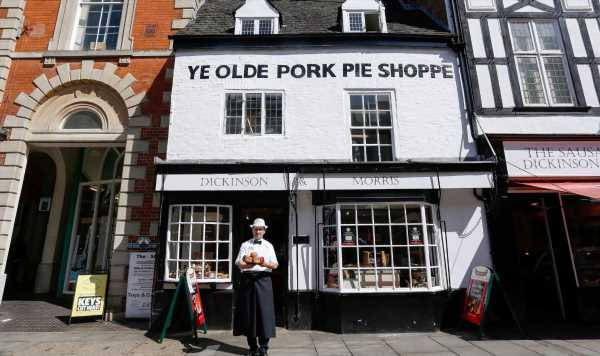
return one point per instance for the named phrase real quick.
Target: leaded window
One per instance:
(254, 113)
(380, 247)
(257, 26)
(199, 237)
(371, 127)
(98, 25)
(541, 64)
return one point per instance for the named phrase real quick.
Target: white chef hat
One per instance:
(259, 222)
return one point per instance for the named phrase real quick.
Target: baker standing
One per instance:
(255, 310)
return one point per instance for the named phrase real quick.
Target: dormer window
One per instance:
(256, 17)
(257, 26)
(364, 16)
(364, 22)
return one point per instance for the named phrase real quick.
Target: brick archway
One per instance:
(14, 151)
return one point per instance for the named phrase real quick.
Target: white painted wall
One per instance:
(508, 101)
(429, 120)
(306, 267)
(496, 38)
(476, 34)
(594, 33)
(576, 39)
(587, 84)
(540, 125)
(468, 244)
(485, 86)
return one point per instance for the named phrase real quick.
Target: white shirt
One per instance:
(264, 249)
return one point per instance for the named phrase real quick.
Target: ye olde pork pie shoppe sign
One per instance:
(322, 70)
(552, 159)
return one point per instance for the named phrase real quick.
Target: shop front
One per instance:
(546, 229)
(358, 251)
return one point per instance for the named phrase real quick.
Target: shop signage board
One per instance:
(552, 159)
(478, 294)
(139, 285)
(359, 181)
(90, 296)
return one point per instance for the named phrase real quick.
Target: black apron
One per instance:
(254, 308)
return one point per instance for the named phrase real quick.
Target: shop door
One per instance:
(31, 222)
(535, 234)
(277, 235)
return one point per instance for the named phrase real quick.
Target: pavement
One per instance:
(40, 328)
(289, 343)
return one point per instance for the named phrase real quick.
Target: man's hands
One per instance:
(252, 259)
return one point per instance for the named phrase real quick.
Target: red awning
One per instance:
(586, 189)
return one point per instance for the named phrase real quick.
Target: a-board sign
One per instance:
(139, 285)
(478, 292)
(90, 295)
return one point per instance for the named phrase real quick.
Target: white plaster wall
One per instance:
(485, 86)
(496, 38)
(306, 253)
(476, 34)
(468, 244)
(540, 125)
(576, 39)
(587, 84)
(594, 32)
(429, 121)
(506, 94)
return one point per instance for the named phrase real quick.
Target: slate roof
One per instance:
(305, 17)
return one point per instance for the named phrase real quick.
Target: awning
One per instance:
(586, 189)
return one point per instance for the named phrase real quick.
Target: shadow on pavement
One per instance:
(211, 344)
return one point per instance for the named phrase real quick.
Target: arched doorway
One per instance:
(30, 226)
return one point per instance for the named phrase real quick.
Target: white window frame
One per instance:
(426, 246)
(363, 20)
(348, 113)
(263, 113)
(91, 2)
(256, 30)
(217, 242)
(538, 53)
(566, 7)
(475, 8)
(68, 18)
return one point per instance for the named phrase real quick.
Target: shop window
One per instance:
(371, 127)
(481, 5)
(380, 247)
(541, 64)
(254, 114)
(199, 236)
(577, 5)
(83, 120)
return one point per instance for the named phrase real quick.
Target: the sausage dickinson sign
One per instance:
(90, 295)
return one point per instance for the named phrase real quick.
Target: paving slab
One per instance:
(469, 351)
(371, 349)
(572, 348)
(588, 344)
(504, 348)
(415, 344)
(540, 348)
(332, 348)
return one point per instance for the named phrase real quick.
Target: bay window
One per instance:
(541, 64)
(199, 236)
(380, 247)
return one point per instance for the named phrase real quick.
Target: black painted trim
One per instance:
(541, 111)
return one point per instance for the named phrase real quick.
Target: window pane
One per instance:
(433, 256)
(348, 215)
(531, 81)
(357, 137)
(358, 154)
(211, 213)
(184, 251)
(357, 118)
(223, 270)
(98, 26)
(383, 102)
(349, 257)
(397, 214)
(197, 251)
(355, 22)
(385, 278)
(349, 236)
(371, 118)
(399, 235)
(331, 278)
(223, 251)
(172, 250)
(385, 118)
(417, 256)
(559, 88)
(198, 214)
(400, 256)
(265, 27)
(197, 232)
(413, 214)
(350, 279)
(367, 278)
(233, 115)
(174, 232)
(419, 278)
(435, 277)
(185, 232)
(356, 102)
(364, 214)
(210, 232)
(223, 232)
(175, 211)
(83, 120)
(386, 153)
(382, 235)
(372, 154)
(248, 27)
(547, 36)
(521, 34)
(253, 114)
(384, 257)
(415, 235)
(223, 214)
(401, 278)
(330, 257)
(365, 235)
(273, 114)
(366, 256)
(329, 236)
(370, 102)
(381, 215)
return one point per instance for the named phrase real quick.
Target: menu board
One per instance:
(139, 285)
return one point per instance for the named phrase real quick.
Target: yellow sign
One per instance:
(90, 295)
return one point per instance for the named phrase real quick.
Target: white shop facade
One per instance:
(359, 160)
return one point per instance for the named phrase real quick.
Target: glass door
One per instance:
(92, 231)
